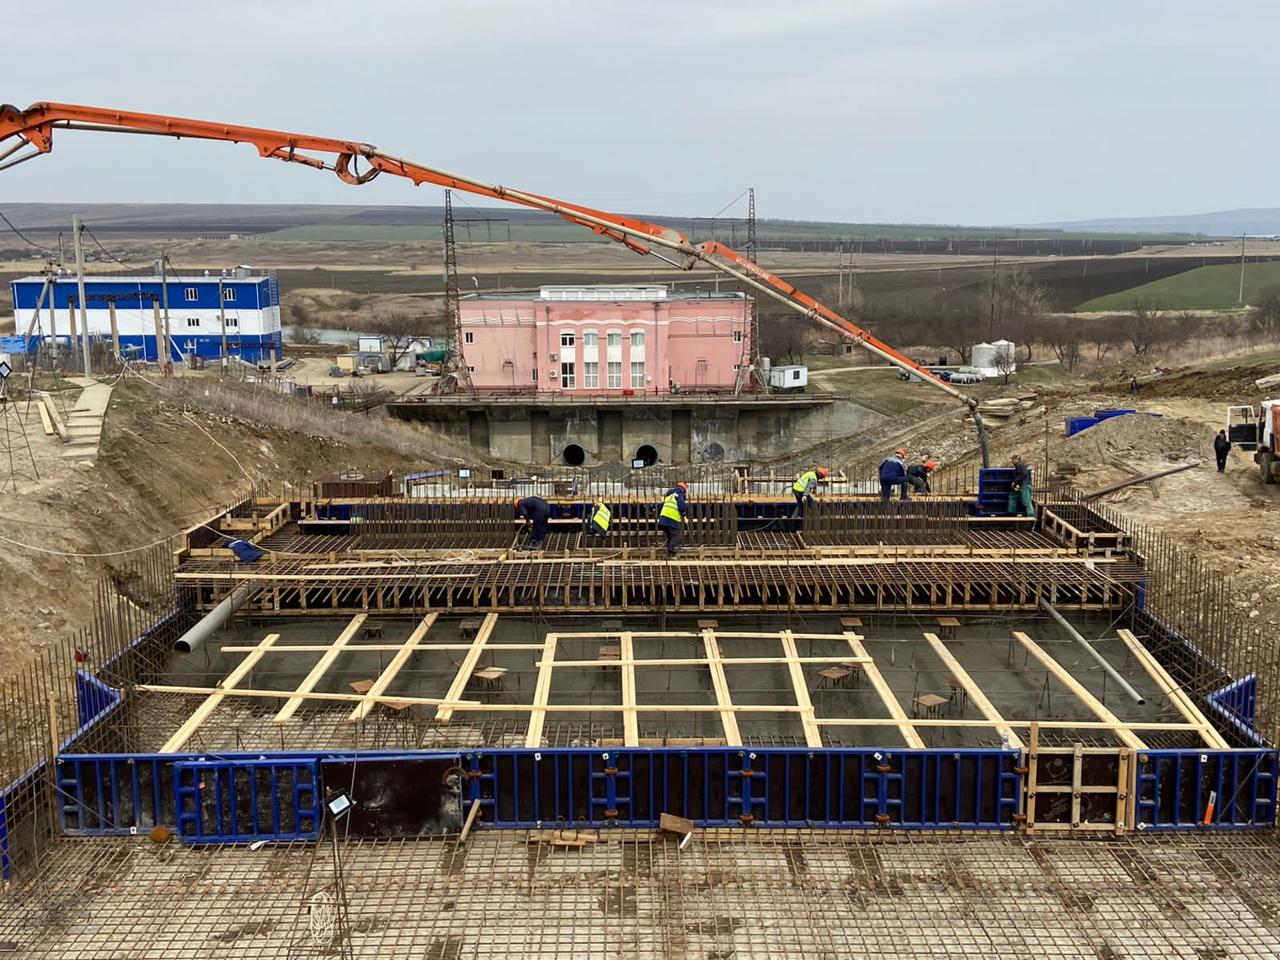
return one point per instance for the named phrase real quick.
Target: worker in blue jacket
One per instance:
(893, 472)
(536, 512)
(671, 517)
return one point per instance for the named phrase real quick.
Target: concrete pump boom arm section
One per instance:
(356, 163)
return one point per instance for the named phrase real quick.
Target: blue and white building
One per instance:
(249, 299)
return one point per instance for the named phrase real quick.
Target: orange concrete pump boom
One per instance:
(33, 129)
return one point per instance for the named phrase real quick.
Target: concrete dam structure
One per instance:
(667, 429)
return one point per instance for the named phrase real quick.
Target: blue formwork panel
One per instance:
(763, 787)
(1206, 789)
(241, 801)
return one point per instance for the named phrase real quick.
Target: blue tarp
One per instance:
(245, 551)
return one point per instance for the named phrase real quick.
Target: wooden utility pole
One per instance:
(155, 312)
(115, 328)
(84, 315)
(1240, 298)
(222, 319)
(164, 300)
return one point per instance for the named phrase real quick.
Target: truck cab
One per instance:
(1256, 429)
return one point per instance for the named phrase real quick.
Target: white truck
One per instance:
(1255, 428)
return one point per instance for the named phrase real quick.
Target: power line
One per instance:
(98, 244)
(22, 236)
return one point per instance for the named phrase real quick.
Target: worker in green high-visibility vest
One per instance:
(671, 517)
(598, 520)
(804, 487)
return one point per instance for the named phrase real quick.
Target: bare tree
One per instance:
(1142, 327)
(399, 332)
(1005, 362)
(1064, 336)
(1264, 316)
(1020, 303)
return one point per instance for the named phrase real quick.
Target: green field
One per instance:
(1205, 288)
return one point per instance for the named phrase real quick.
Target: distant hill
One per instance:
(1224, 223)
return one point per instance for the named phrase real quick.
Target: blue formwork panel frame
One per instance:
(1206, 789)
(240, 798)
(763, 787)
(235, 798)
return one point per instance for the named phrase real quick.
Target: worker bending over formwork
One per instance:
(804, 489)
(671, 517)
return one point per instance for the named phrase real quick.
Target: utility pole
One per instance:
(1240, 298)
(84, 315)
(222, 319)
(164, 305)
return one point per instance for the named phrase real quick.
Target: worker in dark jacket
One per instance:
(1221, 447)
(535, 512)
(671, 517)
(918, 474)
(804, 488)
(893, 473)
(1020, 489)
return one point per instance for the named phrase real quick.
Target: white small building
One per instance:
(791, 376)
(993, 359)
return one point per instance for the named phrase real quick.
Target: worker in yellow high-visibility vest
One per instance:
(804, 487)
(671, 517)
(598, 520)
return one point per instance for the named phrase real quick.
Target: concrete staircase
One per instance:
(84, 422)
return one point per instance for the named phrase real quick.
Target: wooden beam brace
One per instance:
(217, 694)
(702, 661)
(1128, 738)
(724, 702)
(974, 692)
(254, 693)
(1177, 696)
(630, 722)
(538, 713)
(321, 668)
(463, 676)
(812, 734)
(900, 718)
(397, 663)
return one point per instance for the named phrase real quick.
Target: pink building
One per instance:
(613, 339)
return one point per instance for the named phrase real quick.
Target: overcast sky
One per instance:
(860, 110)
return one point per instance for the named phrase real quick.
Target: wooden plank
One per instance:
(973, 691)
(900, 718)
(463, 676)
(45, 420)
(630, 722)
(1127, 737)
(812, 733)
(386, 647)
(1177, 696)
(397, 663)
(538, 713)
(724, 702)
(1017, 724)
(255, 693)
(700, 661)
(217, 694)
(321, 668)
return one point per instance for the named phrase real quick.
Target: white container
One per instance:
(789, 377)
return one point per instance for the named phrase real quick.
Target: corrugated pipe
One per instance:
(214, 619)
(1107, 668)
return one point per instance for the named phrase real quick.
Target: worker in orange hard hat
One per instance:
(918, 474)
(804, 488)
(893, 473)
